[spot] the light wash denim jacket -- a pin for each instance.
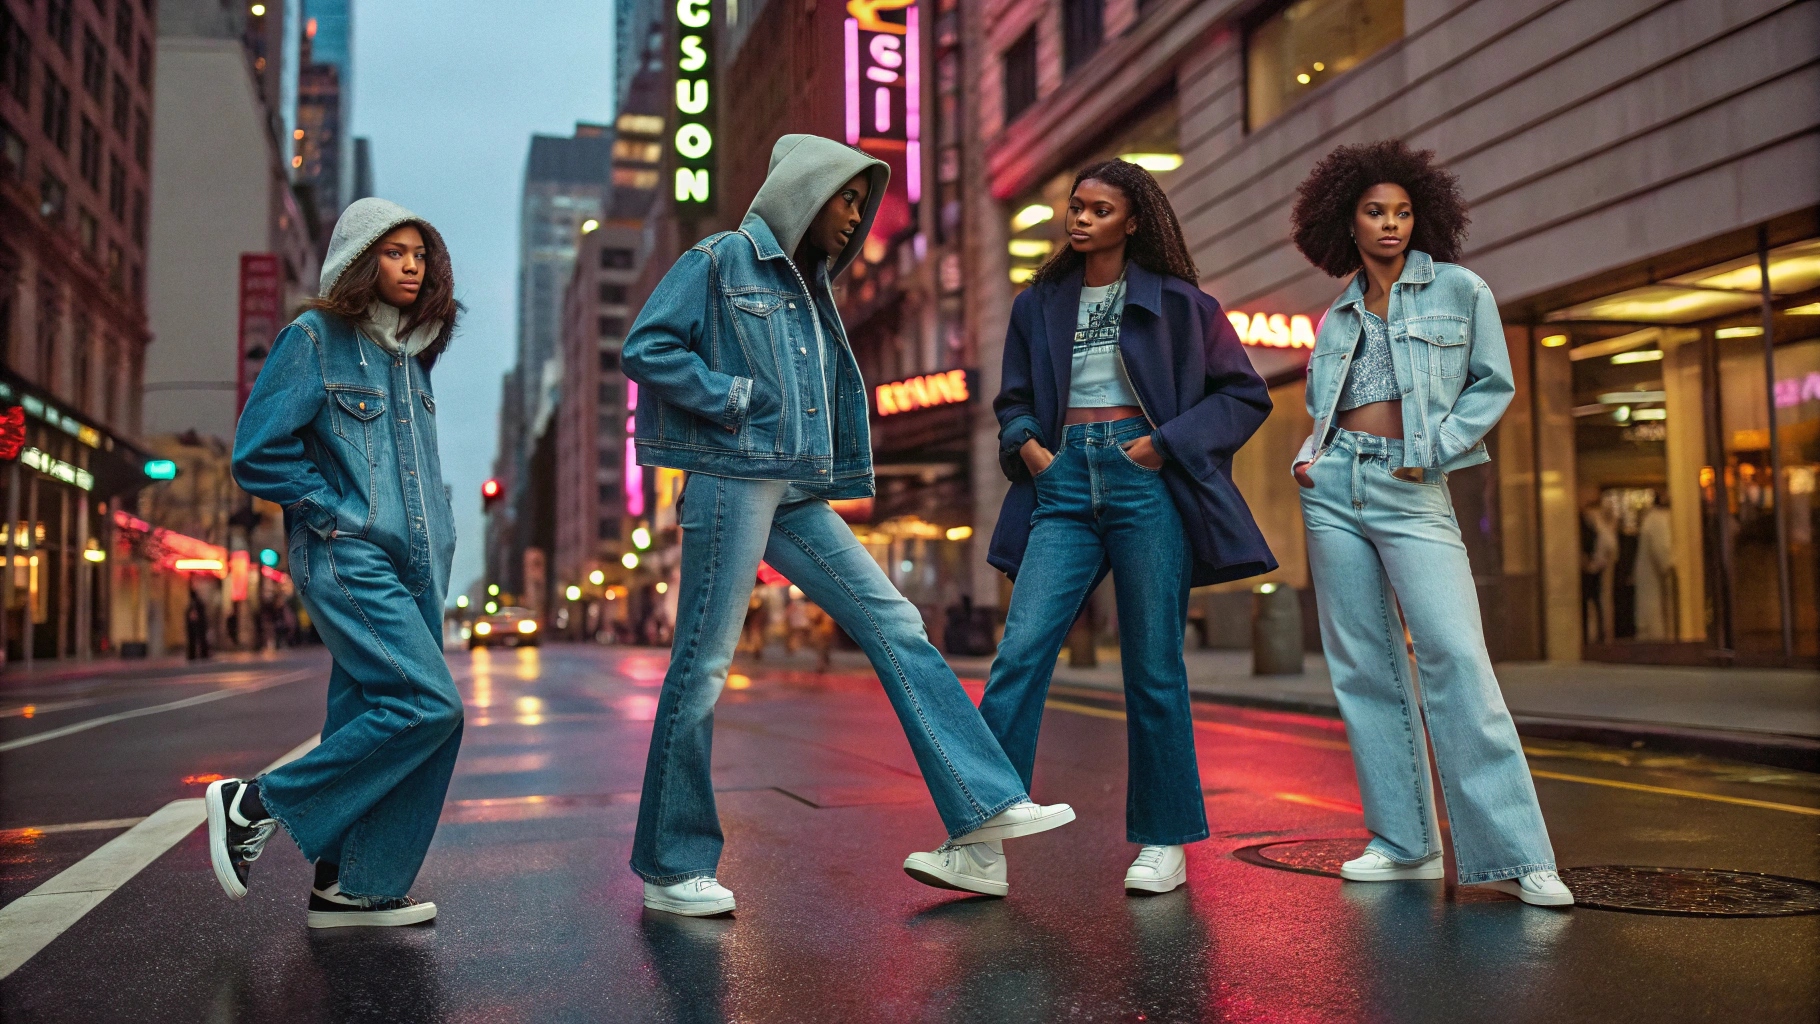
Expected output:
(1447, 345)
(342, 434)
(745, 370)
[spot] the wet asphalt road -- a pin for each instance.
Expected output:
(820, 800)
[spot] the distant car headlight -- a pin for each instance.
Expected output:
(483, 628)
(466, 632)
(527, 625)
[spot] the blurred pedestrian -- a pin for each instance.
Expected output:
(823, 632)
(1125, 394)
(196, 627)
(341, 431)
(796, 624)
(758, 617)
(1408, 375)
(749, 372)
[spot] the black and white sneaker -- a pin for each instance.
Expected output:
(330, 909)
(235, 841)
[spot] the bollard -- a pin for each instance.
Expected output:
(1276, 630)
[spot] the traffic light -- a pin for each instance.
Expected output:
(489, 493)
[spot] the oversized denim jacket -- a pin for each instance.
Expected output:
(728, 353)
(1447, 345)
(342, 434)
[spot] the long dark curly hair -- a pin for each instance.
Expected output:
(1157, 244)
(1325, 202)
(357, 289)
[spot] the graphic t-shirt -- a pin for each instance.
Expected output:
(1098, 379)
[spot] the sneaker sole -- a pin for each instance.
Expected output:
(1534, 899)
(941, 878)
(219, 858)
(373, 918)
(1157, 885)
(1019, 829)
(707, 909)
(1431, 871)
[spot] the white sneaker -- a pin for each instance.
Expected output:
(329, 908)
(972, 867)
(692, 897)
(1372, 866)
(1020, 819)
(1538, 888)
(1157, 869)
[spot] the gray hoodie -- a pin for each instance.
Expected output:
(806, 171)
(364, 222)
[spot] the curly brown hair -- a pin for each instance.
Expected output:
(1325, 202)
(357, 289)
(1157, 245)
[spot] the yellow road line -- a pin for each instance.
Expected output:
(1307, 741)
(1665, 791)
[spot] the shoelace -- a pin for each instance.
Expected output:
(1149, 857)
(253, 845)
(702, 884)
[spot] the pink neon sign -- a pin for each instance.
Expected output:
(635, 474)
(883, 80)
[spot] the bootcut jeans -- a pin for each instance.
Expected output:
(728, 525)
(1376, 543)
(1095, 506)
(368, 796)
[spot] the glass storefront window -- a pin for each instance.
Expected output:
(1302, 46)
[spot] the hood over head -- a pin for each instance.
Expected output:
(806, 171)
(364, 222)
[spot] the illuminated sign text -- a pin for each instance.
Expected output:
(883, 82)
(694, 139)
(1273, 330)
(923, 392)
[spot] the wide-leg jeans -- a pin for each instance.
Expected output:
(368, 796)
(728, 525)
(1377, 543)
(1094, 507)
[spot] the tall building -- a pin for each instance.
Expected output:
(1630, 173)
(76, 116)
(322, 155)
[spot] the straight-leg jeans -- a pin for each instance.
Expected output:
(1377, 543)
(728, 525)
(1094, 507)
(368, 796)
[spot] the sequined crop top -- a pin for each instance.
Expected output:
(1373, 377)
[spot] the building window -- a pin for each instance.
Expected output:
(94, 66)
(1083, 28)
(609, 360)
(116, 267)
(81, 368)
(616, 259)
(1303, 45)
(50, 324)
(123, 27)
(607, 394)
(12, 153)
(116, 189)
(122, 112)
(613, 294)
(15, 58)
(138, 280)
(88, 230)
(57, 23)
(145, 64)
(52, 197)
(612, 326)
(609, 493)
(142, 138)
(139, 217)
(56, 110)
(1019, 72)
(88, 154)
(609, 529)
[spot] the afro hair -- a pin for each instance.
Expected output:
(1326, 200)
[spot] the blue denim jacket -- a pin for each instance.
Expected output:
(732, 357)
(342, 434)
(1447, 344)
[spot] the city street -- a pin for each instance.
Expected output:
(542, 921)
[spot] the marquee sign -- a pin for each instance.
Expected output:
(883, 77)
(923, 392)
(694, 139)
(1273, 330)
(261, 318)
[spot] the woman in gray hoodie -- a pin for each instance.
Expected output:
(340, 430)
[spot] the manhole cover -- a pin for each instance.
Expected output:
(1309, 856)
(1693, 892)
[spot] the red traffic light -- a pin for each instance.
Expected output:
(490, 490)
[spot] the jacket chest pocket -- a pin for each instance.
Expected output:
(761, 331)
(1442, 340)
(356, 416)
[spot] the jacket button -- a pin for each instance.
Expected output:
(363, 407)
(802, 351)
(792, 305)
(810, 411)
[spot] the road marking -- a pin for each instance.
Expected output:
(1086, 709)
(1665, 791)
(32, 921)
(1221, 727)
(34, 710)
(201, 698)
(8, 835)
(1320, 801)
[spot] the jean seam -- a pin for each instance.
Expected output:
(1399, 672)
(896, 667)
(1504, 874)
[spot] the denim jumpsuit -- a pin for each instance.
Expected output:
(342, 434)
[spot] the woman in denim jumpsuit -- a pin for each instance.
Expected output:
(340, 431)
(1408, 375)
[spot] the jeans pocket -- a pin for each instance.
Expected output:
(1125, 453)
(1054, 458)
(299, 556)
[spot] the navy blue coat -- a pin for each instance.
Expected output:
(1195, 383)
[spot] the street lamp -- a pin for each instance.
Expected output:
(641, 539)
(492, 606)
(597, 577)
(492, 590)
(461, 601)
(573, 593)
(629, 560)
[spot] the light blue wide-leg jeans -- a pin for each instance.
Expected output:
(728, 525)
(1377, 543)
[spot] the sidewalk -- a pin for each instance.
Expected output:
(1769, 716)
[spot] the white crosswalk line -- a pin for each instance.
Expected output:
(201, 698)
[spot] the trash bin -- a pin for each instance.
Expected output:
(1276, 630)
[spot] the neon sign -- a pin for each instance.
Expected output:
(634, 473)
(1792, 391)
(694, 140)
(884, 82)
(57, 469)
(1273, 330)
(923, 392)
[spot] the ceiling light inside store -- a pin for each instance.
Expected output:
(1318, 66)
(1811, 309)
(1732, 286)
(1030, 248)
(1644, 355)
(1621, 414)
(1632, 397)
(1155, 163)
(1649, 414)
(1738, 332)
(1032, 215)
(1554, 341)
(1022, 275)
(1303, 78)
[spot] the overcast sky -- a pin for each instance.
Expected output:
(450, 93)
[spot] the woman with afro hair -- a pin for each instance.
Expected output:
(1124, 394)
(1409, 373)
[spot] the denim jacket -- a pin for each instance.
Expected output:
(342, 434)
(1447, 344)
(745, 371)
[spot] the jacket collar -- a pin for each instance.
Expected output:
(755, 228)
(1143, 289)
(1418, 268)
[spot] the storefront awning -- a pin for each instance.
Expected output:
(115, 466)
